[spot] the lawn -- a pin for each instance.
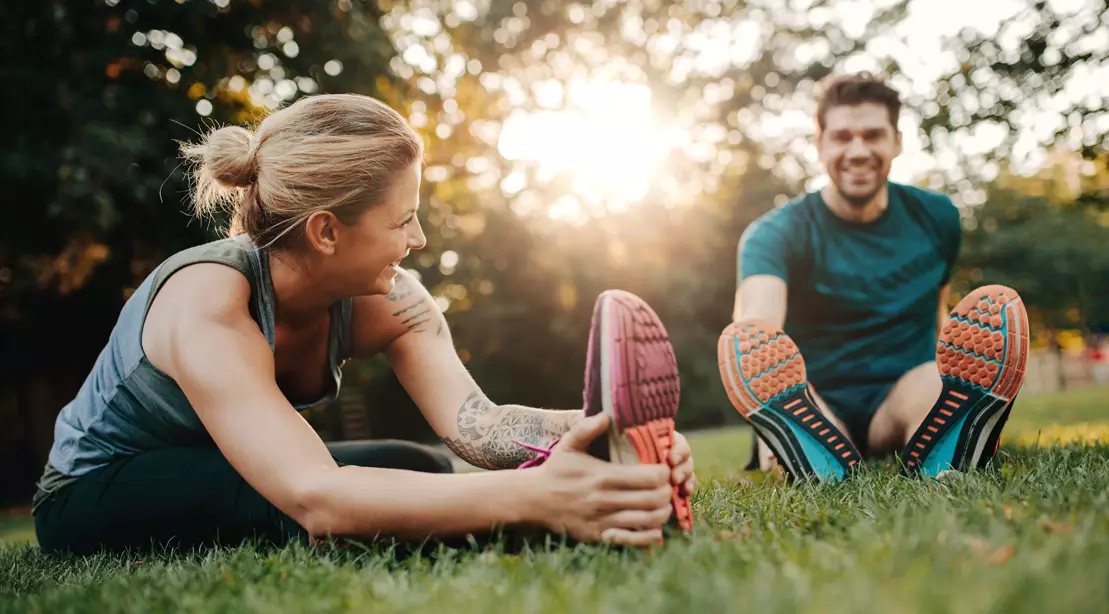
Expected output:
(1032, 537)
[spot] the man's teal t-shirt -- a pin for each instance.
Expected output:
(863, 298)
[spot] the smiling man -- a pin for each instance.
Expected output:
(854, 278)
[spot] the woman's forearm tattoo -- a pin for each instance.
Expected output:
(487, 432)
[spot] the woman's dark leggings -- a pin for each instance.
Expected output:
(181, 498)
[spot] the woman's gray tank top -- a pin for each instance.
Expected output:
(127, 406)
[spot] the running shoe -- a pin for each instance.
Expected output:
(764, 375)
(631, 375)
(981, 354)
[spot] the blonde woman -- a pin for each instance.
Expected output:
(186, 431)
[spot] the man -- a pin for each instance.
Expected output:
(857, 275)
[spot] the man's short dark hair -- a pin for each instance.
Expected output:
(853, 89)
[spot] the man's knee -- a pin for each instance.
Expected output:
(916, 392)
(924, 375)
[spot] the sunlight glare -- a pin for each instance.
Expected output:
(605, 139)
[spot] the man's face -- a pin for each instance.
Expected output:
(857, 147)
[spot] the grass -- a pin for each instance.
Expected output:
(1031, 537)
(16, 529)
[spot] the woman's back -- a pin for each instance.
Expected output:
(126, 405)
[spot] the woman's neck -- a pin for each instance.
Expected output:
(300, 297)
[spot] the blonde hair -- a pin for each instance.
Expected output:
(331, 152)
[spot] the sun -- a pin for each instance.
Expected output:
(605, 139)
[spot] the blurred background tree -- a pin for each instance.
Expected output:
(94, 190)
(572, 147)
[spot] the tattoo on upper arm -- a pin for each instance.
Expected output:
(415, 313)
(400, 292)
(416, 321)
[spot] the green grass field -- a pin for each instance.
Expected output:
(1032, 537)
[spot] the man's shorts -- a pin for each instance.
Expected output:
(856, 407)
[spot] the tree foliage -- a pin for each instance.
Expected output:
(1044, 234)
(95, 193)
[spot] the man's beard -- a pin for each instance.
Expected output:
(857, 201)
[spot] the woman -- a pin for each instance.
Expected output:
(186, 431)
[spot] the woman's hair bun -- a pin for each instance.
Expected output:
(228, 156)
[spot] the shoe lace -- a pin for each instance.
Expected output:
(541, 453)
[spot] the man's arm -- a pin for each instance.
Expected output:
(762, 297)
(952, 236)
(763, 261)
(944, 311)
(413, 333)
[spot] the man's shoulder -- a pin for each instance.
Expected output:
(935, 212)
(928, 201)
(770, 243)
(784, 216)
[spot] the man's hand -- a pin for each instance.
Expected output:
(681, 464)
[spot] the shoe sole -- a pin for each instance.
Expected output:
(639, 387)
(981, 355)
(764, 375)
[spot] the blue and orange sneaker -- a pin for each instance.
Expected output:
(981, 354)
(764, 375)
(631, 374)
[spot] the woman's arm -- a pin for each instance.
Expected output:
(487, 433)
(411, 330)
(215, 352)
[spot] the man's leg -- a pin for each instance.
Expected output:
(188, 497)
(879, 418)
(904, 409)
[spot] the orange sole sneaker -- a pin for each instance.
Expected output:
(631, 374)
(981, 354)
(764, 375)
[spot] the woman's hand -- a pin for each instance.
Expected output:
(592, 500)
(681, 463)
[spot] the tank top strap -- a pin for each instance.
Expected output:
(238, 253)
(342, 326)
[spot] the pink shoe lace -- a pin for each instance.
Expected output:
(541, 453)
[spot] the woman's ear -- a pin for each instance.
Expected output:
(321, 230)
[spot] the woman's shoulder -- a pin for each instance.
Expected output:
(237, 252)
(380, 319)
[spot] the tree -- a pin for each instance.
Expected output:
(1033, 85)
(1044, 235)
(736, 78)
(520, 286)
(106, 90)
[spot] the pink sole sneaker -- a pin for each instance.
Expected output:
(632, 375)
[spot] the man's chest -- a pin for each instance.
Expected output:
(851, 275)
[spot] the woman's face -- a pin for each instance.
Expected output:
(365, 256)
